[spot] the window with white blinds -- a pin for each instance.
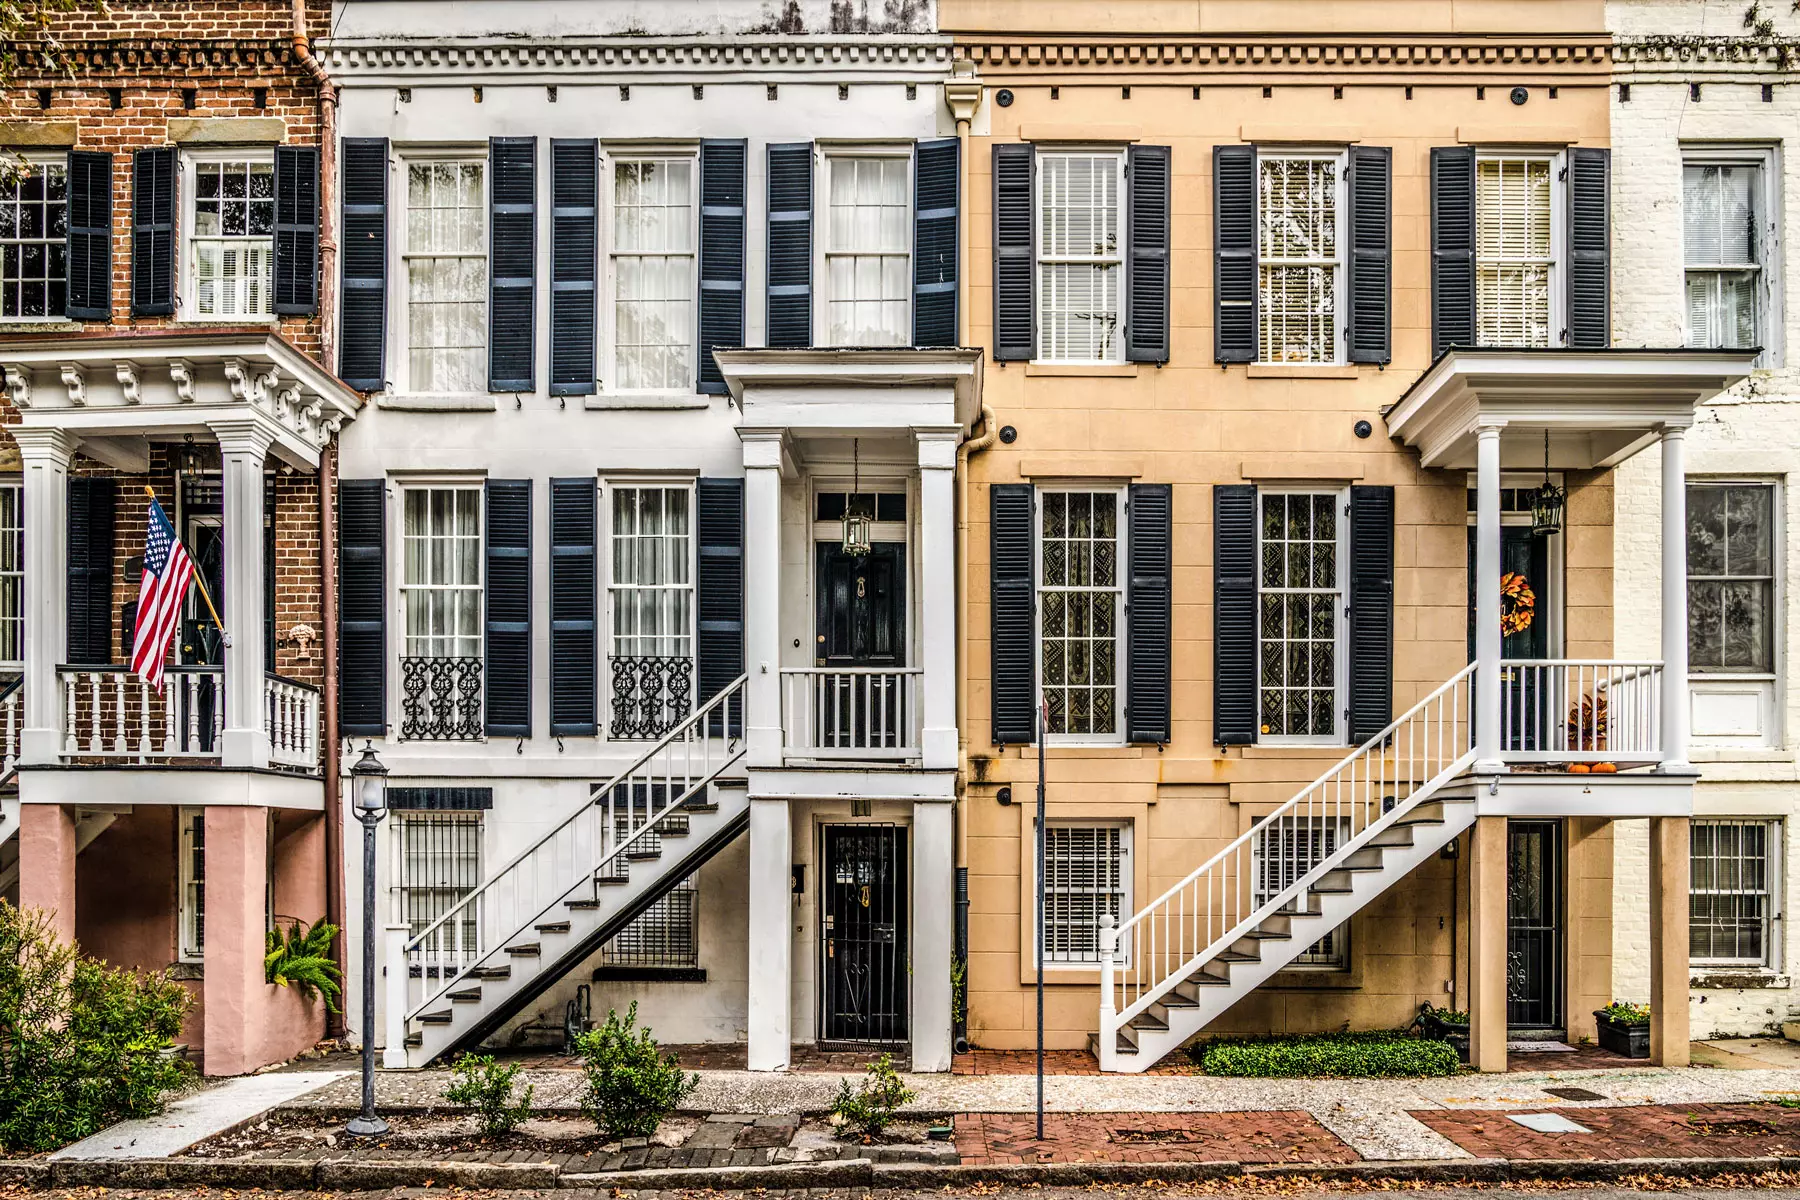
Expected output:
(1287, 849)
(868, 252)
(1299, 257)
(1081, 256)
(653, 275)
(1733, 870)
(1723, 245)
(1515, 250)
(445, 249)
(441, 571)
(231, 247)
(1087, 875)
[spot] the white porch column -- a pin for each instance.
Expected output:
(1675, 703)
(1487, 596)
(770, 993)
(45, 454)
(933, 872)
(937, 598)
(762, 597)
(243, 445)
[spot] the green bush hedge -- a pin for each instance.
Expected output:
(1375, 1054)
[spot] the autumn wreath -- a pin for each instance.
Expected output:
(1518, 604)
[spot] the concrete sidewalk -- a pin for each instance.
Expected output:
(197, 1116)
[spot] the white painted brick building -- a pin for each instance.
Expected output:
(1701, 120)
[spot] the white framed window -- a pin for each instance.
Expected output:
(444, 249)
(868, 250)
(1087, 875)
(34, 228)
(1732, 616)
(228, 266)
(1518, 234)
(1081, 600)
(1300, 257)
(1081, 255)
(655, 214)
(1286, 849)
(1728, 243)
(651, 582)
(1734, 869)
(442, 584)
(12, 575)
(1300, 602)
(190, 848)
(439, 852)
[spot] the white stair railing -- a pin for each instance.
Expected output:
(1169, 939)
(12, 720)
(594, 841)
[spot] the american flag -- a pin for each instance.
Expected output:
(167, 572)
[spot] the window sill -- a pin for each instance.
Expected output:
(1303, 750)
(426, 402)
(1739, 754)
(626, 400)
(622, 974)
(227, 322)
(1079, 750)
(1736, 977)
(1035, 370)
(38, 324)
(188, 970)
(1303, 370)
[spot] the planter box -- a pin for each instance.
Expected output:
(1445, 1031)
(1632, 1041)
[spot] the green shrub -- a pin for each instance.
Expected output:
(486, 1086)
(303, 959)
(1375, 1054)
(82, 1045)
(871, 1107)
(631, 1086)
(1623, 1012)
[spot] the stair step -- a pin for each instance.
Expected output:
(1125, 1044)
(642, 855)
(1146, 1020)
(1236, 956)
(1270, 935)
(415, 1039)
(525, 950)
(1206, 979)
(441, 1017)
(612, 880)
(1177, 1000)
(492, 972)
(581, 904)
(467, 995)
(552, 927)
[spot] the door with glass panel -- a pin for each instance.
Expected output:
(651, 605)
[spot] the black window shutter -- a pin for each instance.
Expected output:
(1371, 611)
(512, 264)
(574, 259)
(790, 298)
(508, 627)
(1149, 619)
(362, 607)
(722, 191)
(719, 582)
(362, 313)
(573, 649)
(89, 245)
(1015, 309)
(1147, 170)
(1234, 614)
(1013, 670)
(153, 232)
(1452, 247)
(296, 230)
(1234, 254)
(1590, 241)
(936, 176)
(1371, 253)
(92, 507)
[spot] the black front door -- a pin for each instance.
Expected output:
(862, 894)
(1533, 925)
(861, 623)
(1527, 556)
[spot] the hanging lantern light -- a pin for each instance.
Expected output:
(1547, 502)
(857, 522)
(188, 463)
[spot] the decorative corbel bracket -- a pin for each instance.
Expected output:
(18, 388)
(128, 381)
(181, 374)
(74, 377)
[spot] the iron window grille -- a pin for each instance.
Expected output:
(1087, 875)
(440, 867)
(667, 934)
(1733, 870)
(1286, 850)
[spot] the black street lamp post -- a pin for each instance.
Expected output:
(369, 778)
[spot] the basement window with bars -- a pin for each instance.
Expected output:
(1283, 852)
(1725, 239)
(1300, 596)
(230, 243)
(1081, 613)
(191, 847)
(1299, 257)
(1515, 250)
(440, 866)
(1733, 885)
(664, 936)
(1081, 255)
(1087, 875)
(34, 215)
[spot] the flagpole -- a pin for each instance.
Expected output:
(200, 582)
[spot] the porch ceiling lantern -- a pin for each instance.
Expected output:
(188, 462)
(1547, 502)
(857, 523)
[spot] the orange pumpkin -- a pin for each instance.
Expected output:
(1579, 768)
(1606, 768)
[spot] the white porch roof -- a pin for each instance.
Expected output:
(1599, 406)
(841, 392)
(119, 392)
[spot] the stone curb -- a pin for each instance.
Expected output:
(842, 1172)
(1518, 1170)
(924, 1176)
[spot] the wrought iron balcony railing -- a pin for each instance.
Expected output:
(651, 695)
(440, 699)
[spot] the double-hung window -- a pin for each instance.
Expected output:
(1081, 255)
(1081, 613)
(1285, 850)
(1515, 250)
(1300, 267)
(654, 233)
(1731, 578)
(1725, 247)
(440, 867)
(868, 251)
(441, 592)
(1300, 596)
(1733, 875)
(230, 260)
(34, 214)
(650, 588)
(190, 845)
(445, 249)
(1087, 876)
(12, 575)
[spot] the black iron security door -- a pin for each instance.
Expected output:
(1534, 889)
(863, 900)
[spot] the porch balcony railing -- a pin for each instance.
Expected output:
(440, 699)
(851, 712)
(111, 714)
(1578, 710)
(291, 719)
(651, 695)
(12, 720)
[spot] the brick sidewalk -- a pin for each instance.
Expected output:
(984, 1139)
(1649, 1131)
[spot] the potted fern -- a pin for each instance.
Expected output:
(302, 959)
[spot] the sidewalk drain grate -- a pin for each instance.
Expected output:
(1573, 1093)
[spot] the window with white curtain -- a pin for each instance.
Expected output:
(190, 835)
(441, 580)
(653, 275)
(12, 574)
(1300, 595)
(1299, 257)
(1284, 851)
(445, 249)
(868, 252)
(1724, 247)
(230, 240)
(34, 228)
(1731, 578)
(652, 579)
(1733, 892)
(1081, 255)
(1087, 875)
(1515, 250)
(1080, 607)
(440, 867)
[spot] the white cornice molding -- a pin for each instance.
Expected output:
(1676, 58)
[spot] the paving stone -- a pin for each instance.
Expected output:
(751, 1137)
(716, 1133)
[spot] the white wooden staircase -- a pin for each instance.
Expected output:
(1171, 969)
(535, 919)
